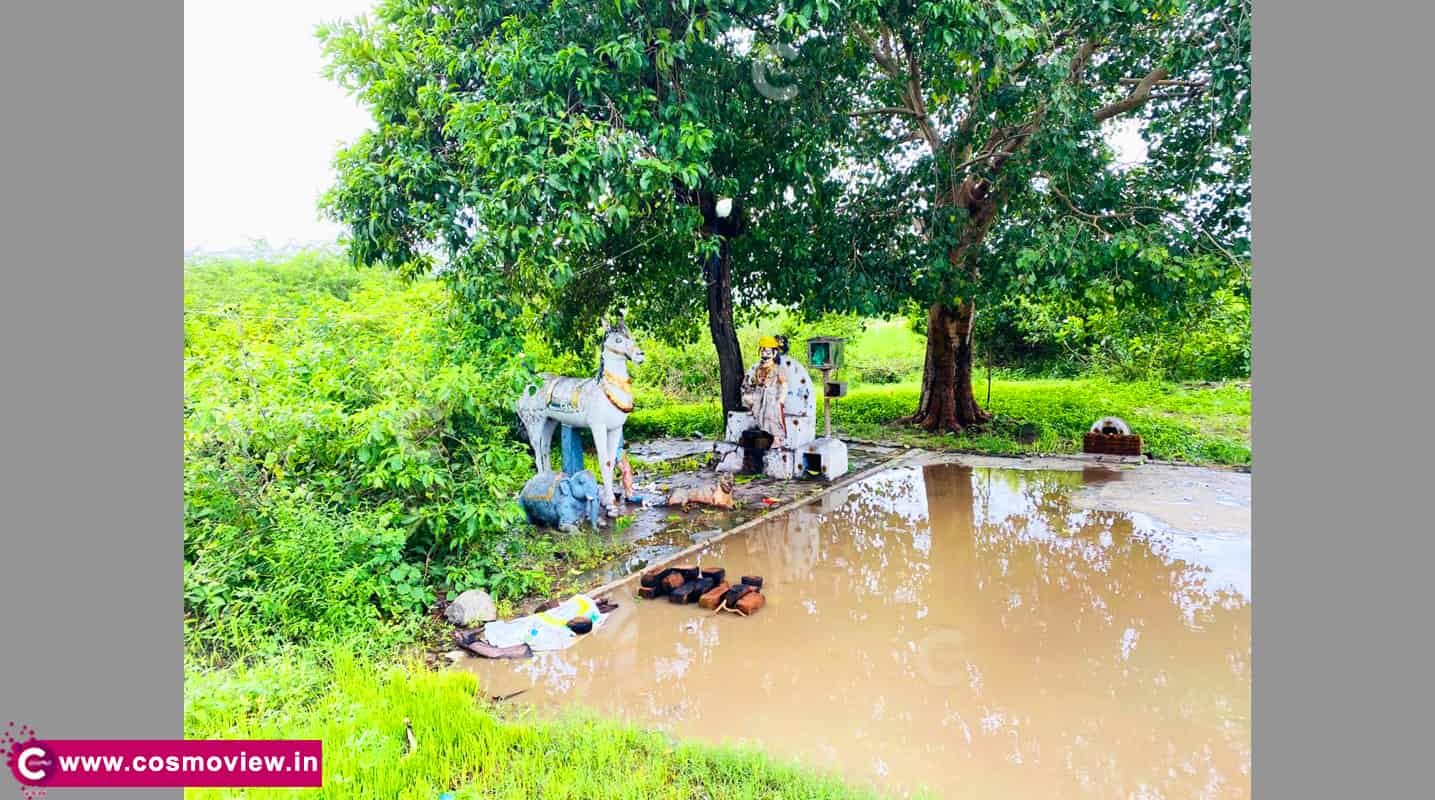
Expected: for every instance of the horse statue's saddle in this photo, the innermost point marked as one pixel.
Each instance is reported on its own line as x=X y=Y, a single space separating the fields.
x=565 y=394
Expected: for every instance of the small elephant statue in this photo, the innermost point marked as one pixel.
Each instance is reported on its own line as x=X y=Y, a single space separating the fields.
x=557 y=500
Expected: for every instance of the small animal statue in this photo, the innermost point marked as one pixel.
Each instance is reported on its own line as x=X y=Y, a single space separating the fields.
x=600 y=403
x=717 y=495
x=556 y=500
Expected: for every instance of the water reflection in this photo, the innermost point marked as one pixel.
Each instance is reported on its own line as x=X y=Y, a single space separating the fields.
x=973 y=631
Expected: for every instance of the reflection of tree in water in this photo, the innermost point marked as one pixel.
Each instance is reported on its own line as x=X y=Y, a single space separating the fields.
x=1051 y=639
x=1074 y=620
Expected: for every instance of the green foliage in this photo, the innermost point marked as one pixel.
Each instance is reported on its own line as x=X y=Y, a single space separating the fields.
x=552 y=157
x=349 y=452
x=1201 y=338
x=1206 y=425
x=675 y=420
x=358 y=711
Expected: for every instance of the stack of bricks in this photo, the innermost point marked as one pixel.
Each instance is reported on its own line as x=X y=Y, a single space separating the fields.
x=1111 y=444
x=708 y=587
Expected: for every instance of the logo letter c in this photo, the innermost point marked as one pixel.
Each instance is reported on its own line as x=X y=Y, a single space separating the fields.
x=22 y=763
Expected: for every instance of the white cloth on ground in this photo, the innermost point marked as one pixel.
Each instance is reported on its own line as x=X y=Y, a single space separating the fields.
x=546 y=630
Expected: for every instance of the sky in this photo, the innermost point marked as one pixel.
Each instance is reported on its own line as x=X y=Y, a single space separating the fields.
x=261 y=124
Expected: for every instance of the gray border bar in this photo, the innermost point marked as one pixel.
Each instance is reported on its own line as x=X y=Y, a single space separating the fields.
x=90 y=324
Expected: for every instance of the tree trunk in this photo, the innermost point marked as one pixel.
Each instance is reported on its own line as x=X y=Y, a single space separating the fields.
x=724 y=333
x=947 y=402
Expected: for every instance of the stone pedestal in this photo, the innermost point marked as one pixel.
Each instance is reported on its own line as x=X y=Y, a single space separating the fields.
x=827 y=455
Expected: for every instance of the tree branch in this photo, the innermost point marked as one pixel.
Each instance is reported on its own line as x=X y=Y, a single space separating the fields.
x=914 y=96
x=1137 y=81
x=884 y=61
x=1080 y=60
x=884 y=110
x=1062 y=196
x=1137 y=98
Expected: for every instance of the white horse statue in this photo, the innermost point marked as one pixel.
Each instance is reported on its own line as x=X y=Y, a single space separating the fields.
x=601 y=404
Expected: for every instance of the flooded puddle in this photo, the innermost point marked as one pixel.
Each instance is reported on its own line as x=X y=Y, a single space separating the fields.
x=977 y=632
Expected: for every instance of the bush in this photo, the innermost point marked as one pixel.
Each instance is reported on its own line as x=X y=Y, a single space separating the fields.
x=1192 y=336
x=348 y=453
x=674 y=420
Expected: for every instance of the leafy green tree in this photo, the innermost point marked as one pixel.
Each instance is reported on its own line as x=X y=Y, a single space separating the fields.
x=561 y=156
x=565 y=156
x=978 y=165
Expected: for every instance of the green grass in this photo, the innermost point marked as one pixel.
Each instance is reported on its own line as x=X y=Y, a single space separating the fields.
x=464 y=745
x=1198 y=424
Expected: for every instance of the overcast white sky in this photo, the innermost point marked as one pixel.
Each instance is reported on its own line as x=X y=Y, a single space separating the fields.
x=261 y=125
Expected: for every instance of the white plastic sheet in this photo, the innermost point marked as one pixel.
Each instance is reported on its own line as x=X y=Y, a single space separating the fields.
x=546 y=630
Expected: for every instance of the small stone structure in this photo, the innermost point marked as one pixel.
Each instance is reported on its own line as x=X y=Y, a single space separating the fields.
x=1111 y=436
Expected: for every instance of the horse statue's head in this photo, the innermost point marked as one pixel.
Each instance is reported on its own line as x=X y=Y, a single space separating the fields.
x=617 y=339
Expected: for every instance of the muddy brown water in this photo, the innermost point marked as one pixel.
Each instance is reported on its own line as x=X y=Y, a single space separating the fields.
x=968 y=632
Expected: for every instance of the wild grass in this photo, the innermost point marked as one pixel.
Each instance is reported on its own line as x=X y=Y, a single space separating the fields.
x=466 y=746
x=1197 y=424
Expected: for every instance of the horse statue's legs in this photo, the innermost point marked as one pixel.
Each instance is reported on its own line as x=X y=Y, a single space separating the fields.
x=605 y=441
x=540 y=437
x=546 y=436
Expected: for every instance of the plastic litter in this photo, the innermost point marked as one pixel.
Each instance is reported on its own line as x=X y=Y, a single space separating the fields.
x=545 y=630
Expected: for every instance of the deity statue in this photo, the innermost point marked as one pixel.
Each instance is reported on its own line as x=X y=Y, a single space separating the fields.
x=764 y=390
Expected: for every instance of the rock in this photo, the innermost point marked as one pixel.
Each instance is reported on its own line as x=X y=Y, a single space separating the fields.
x=456 y=655
x=471 y=607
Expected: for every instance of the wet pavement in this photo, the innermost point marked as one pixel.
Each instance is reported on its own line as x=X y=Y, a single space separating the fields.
x=977 y=631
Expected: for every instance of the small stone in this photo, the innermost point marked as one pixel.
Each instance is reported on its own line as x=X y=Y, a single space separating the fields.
x=456 y=655
x=471 y=607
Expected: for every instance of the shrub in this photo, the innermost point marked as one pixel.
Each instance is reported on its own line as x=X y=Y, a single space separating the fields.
x=348 y=454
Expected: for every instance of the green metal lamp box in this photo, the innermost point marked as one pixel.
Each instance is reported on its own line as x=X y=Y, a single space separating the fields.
x=825 y=352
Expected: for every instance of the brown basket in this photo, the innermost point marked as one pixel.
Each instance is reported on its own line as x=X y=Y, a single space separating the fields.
x=1111 y=444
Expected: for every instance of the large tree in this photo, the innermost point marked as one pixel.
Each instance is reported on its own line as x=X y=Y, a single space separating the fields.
x=572 y=155
x=975 y=121
x=568 y=157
